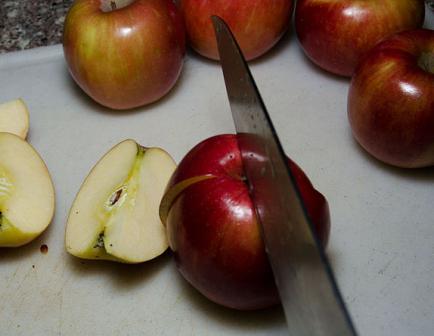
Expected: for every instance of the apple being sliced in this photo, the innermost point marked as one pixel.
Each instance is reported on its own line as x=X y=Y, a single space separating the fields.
x=115 y=214
x=26 y=192
x=14 y=118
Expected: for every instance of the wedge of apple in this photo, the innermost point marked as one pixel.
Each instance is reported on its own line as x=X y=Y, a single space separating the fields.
x=26 y=192
x=115 y=214
x=14 y=118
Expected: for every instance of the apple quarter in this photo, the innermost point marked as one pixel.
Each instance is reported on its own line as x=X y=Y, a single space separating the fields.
x=26 y=192
x=115 y=213
x=14 y=118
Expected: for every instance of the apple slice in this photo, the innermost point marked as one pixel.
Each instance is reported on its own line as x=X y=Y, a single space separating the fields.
x=26 y=192
x=14 y=118
x=115 y=214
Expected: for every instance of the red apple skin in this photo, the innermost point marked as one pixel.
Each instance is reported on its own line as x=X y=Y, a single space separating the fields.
x=335 y=34
x=128 y=57
x=213 y=229
x=391 y=100
x=257 y=24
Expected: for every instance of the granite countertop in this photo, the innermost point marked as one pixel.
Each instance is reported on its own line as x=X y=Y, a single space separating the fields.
x=27 y=24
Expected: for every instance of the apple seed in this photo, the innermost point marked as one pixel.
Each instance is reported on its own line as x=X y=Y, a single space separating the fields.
x=115 y=197
x=100 y=241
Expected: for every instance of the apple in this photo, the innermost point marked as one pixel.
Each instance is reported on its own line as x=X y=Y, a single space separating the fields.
x=14 y=118
x=124 y=53
x=391 y=100
x=213 y=229
x=26 y=192
x=257 y=24
x=335 y=34
x=115 y=213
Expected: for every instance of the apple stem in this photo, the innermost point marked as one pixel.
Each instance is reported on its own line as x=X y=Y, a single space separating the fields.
x=426 y=62
x=113 y=5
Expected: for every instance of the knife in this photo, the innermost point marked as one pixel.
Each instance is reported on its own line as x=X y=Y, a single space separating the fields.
x=311 y=300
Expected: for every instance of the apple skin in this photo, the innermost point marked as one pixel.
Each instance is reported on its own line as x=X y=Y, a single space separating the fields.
x=128 y=57
x=335 y=34
x=213 y=230
x=391 y=100
x=257 y=24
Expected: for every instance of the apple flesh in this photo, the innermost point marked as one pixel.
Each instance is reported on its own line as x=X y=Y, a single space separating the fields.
x=124 y=54
x=213 y=229
x=14 y=118
x=257 y=24
x=391 y=100
x=26 y=192
x=115 y=214
x=335 y=34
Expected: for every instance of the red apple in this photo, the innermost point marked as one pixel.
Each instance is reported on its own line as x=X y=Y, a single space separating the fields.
x=335 y=34
x=257 y=24
x=213 y=229
x=391 y=100
x=124 y=53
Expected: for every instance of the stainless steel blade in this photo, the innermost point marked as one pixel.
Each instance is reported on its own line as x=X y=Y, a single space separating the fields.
x=311 y=300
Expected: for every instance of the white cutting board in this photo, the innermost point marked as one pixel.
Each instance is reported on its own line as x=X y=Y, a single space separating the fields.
x=382 y=237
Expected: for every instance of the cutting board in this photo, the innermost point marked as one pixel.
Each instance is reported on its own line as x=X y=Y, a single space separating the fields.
x=382 y=236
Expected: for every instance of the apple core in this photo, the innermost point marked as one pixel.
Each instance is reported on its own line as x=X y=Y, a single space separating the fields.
x=123 y=197
x=5 y=185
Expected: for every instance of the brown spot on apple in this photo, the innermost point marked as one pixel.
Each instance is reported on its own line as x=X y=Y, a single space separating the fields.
x=44 y=249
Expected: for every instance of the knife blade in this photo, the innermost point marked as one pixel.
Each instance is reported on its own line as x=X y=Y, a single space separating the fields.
x=308 y=291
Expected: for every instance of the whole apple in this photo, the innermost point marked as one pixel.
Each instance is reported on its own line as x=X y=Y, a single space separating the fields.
x=213 y=229
x=335 y=34
x=391 y=100
x=124 y=53
x=257 y=24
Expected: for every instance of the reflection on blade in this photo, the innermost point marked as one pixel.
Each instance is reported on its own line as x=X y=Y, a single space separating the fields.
x=308 y=291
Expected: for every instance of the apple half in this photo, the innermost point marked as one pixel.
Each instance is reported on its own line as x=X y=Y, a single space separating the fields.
x=14 y=118
x=26 y=192
x=115 y=213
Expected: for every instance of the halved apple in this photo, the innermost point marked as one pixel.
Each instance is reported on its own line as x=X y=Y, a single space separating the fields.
x=26 y=192
x=14 y=118
x=115 y=214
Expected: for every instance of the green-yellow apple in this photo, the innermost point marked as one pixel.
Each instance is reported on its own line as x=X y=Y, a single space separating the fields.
x=257 y=24
x=14 y=118
x=26 y=192
x=115 y=213
x=335 y=34
x=391 y=100
x=124 y=53
x=213 y=230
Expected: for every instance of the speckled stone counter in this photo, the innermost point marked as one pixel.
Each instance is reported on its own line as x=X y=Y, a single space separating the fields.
x=27 y=24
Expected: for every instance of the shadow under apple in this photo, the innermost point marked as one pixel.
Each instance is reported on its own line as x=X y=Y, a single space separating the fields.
x=420 y=175
x=122 y=276
x=244 y=321
x=12 y=254
x=286 y=40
